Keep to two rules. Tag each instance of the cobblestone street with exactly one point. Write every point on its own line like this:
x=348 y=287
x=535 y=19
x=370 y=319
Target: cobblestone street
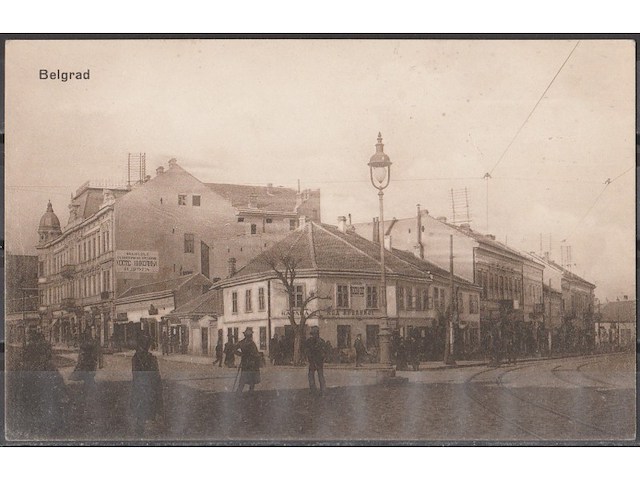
x=580 y=398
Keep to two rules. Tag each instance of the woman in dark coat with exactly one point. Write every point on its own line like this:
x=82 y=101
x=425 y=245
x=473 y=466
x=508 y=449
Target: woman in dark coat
x=146 y=387
x=249 y=361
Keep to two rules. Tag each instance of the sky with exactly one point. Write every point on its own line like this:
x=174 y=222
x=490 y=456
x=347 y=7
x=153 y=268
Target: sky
x=550 y=120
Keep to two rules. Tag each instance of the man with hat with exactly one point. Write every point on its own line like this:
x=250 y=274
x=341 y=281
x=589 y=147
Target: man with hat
x=315 y=349
x=249 y=361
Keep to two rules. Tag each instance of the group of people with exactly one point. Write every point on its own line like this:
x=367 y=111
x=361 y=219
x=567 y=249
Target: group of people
x=281 y=350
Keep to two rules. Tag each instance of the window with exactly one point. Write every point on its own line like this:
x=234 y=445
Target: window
x=292 y=224
x=342 y=296
x=409 y=298
x=182 y=199
x=473 y=304
x=261 y=298
x=195 y=200
x=460 y=305
x=247 y=301
x=418 y=300
x=263 y=338
x=188 y=243
x=254 y=229
x=400 y=298
x=372 y=332
x=234 y=302
x=372 y=297
x=425 y=299
x=269 y=220
x=344 y=336
x=240 y=219
x=298 y=295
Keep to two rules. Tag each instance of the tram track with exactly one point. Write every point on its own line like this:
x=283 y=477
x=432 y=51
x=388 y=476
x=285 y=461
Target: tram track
x=473 y=393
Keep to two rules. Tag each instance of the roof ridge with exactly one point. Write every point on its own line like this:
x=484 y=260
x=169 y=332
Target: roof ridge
x=356 y=248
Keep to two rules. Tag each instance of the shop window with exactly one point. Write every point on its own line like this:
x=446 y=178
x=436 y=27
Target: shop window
x=344 y=336
x=372 y=336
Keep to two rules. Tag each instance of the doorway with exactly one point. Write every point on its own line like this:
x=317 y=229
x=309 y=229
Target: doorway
x=205 y=340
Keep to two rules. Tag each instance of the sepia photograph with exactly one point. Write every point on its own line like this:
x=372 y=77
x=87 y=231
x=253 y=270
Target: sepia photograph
x=320 y=240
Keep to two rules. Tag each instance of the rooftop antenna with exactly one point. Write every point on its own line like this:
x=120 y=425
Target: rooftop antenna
x=460 y=206
x=136 y=164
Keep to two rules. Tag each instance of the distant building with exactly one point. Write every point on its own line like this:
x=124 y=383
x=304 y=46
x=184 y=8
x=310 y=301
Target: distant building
x=165 y=227
x=615 y=327
x=511 y=282
x=21 y=296
x=344 y=269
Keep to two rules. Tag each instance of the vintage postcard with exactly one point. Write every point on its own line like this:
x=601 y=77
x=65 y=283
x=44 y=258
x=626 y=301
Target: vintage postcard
x=305 y=240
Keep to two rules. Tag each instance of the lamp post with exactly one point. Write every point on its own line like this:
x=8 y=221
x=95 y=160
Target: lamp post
x=380 y=171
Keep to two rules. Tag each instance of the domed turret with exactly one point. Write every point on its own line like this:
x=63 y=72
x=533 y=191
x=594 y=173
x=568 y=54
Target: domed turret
x=49 y=227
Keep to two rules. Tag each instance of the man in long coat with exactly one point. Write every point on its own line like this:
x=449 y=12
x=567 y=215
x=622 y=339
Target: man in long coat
x=249 y=361
x=316 y=350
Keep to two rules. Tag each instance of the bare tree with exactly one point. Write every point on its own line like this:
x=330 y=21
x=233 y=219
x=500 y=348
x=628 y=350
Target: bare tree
x=285 y=267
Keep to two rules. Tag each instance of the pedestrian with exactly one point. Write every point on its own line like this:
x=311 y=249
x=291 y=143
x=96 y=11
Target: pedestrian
x=413 y=347
x=361 y=350
x=85 y=370
x=316 y=350
x=401 y=355
x=146 y=386
x=249 y=361
x=219 y=350
x=165 y=343
x=229 y=355
x=274 y=345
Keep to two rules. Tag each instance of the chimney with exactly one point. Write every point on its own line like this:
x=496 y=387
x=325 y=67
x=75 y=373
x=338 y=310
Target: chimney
x=172 y=162
x=160 y=170
x=147 y=178
x=349 y=219
x=342 y=224
x=442 y=219
x=387 y=242
x=253 y=200
x=465 y=226
x=419 y=250
x=376 y=231
x=626 y=297
x=231 y=270
x=492 y=237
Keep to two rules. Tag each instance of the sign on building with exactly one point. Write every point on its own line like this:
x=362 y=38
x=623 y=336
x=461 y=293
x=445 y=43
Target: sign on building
x=137 y=261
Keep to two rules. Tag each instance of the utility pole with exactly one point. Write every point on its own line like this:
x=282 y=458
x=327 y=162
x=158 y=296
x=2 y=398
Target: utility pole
x=448 y=337
x=486 y=177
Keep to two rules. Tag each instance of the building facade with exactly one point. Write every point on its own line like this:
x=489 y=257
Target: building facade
x=343 y=270
x=510 y=282
x=21 y=297
x=166 y=227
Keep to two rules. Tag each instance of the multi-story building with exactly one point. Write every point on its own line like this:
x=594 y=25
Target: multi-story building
x=511 y=282
x=21 y=297
x=343 y=270
x=165 y=227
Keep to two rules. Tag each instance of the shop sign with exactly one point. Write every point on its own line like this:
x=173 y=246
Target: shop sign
x=137 y=261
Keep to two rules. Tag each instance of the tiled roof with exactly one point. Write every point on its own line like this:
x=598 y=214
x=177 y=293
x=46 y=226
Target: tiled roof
x=277 y=199
x=427 y=266
x=209 y=303
x=320 y=247
x=172 y=285
x=622 y=311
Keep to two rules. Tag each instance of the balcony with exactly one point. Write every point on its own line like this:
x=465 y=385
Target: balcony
x=67 y=271
x=68 y=304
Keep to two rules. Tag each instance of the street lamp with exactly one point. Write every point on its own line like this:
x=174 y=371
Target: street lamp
x=380 y=171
